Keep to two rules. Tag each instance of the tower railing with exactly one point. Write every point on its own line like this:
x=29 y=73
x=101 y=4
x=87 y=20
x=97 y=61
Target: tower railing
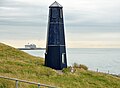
x=24 y=81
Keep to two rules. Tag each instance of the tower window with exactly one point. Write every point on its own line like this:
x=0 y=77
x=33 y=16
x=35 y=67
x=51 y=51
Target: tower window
x=60 y=13
x=54 y=13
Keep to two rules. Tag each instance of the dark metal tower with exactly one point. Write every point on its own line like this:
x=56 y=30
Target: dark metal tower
x=55 y=56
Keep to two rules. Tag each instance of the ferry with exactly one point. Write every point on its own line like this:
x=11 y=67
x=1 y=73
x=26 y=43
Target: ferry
x=30 y=46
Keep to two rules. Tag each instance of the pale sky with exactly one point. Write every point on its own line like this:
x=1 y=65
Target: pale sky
x=88 y=23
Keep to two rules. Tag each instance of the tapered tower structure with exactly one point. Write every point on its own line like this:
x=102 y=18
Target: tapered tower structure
x=55 y=56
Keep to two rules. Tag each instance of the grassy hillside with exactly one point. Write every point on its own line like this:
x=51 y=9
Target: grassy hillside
x=18 y=64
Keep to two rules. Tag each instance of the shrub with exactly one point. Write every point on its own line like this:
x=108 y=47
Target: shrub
x=75 y=65
x=81 y=66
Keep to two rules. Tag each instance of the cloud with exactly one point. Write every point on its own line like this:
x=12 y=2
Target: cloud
x=22 y=33
x=77 y=13
x=94 y=13
x=19 y=13
x=108 y=36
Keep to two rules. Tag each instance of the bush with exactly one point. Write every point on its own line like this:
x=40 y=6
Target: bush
x=75 y=65
x=81 y=66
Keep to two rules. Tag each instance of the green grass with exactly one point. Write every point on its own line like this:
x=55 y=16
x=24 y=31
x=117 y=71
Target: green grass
x=17 y=64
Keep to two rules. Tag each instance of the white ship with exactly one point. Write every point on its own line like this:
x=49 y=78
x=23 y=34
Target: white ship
x=30 y=46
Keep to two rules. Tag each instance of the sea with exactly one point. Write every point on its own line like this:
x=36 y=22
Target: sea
x=105 y=60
